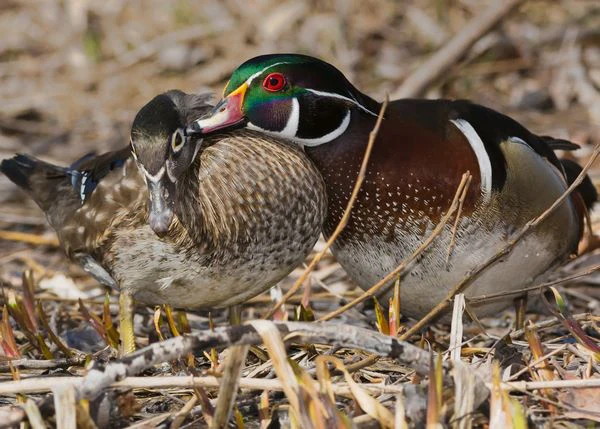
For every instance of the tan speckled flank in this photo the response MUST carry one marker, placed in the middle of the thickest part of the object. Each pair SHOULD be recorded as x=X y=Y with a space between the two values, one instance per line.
x=247 y=213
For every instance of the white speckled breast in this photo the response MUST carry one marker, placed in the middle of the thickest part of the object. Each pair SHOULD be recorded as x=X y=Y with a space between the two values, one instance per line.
x=531 y=186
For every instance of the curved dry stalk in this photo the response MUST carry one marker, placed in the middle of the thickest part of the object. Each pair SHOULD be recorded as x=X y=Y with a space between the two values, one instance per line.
x=586 y=272
x=345 y=217
x=377 y=287
x=554 y=321
x=474 y=273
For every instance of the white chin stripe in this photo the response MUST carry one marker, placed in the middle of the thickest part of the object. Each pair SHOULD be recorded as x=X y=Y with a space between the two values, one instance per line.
x=305 y=142
x=153 y=178
x=483 y=159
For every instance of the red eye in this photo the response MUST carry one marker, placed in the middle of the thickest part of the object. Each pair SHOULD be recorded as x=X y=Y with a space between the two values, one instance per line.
x=274 y=82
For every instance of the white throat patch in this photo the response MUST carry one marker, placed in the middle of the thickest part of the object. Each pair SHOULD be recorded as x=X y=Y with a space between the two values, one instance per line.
x=290 y=131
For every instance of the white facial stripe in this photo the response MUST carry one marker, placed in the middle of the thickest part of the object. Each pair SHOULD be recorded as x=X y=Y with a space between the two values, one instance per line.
x=334 y=95
x=291 y=128
x=483 y=159
x=258 y=73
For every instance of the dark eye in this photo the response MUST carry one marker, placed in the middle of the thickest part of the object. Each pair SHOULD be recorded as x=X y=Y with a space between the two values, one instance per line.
x=177 y=140
x=274 y=82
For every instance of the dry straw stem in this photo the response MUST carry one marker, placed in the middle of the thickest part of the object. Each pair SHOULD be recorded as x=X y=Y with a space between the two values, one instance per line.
x=345 y=217
x=377 y=287
x=45 y=384
x=529 y=226
x=541 y=359
x=34 y=415
x=229 y=385
x=25 y=237
x=274 y=344
x=181 y=415
x=551 y=384
x=64 y=404
x=369 y=404
x=442 y=60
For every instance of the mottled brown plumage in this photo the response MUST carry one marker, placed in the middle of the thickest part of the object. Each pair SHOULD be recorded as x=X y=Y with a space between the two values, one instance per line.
x=246 y=213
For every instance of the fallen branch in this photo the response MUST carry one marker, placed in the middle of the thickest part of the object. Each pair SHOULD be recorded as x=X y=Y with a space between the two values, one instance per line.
x=40 y=363
x=438 y=64
x=100 y=378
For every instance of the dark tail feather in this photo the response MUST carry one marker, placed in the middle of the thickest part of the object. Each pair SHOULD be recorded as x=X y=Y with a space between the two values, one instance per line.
x=42 y=180
x=560 y=144
x=586 y=188
x=18 y=169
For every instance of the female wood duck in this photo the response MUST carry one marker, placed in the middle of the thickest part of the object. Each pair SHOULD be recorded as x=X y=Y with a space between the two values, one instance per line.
x=422 y=150
x=245 y=214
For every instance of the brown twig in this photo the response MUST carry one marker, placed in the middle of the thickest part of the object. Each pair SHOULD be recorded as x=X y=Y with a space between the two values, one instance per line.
x=377 y=287
x=345 y=217
x=439 y=62
x=41 y=363
x=461 y=201
x=474 y=273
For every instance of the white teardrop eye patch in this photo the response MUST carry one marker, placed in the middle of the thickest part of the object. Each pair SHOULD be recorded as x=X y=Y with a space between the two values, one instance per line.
x=177 y=140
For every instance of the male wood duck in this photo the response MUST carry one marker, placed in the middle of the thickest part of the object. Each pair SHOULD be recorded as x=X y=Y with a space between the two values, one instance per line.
x=421 y=152
x=247 y=211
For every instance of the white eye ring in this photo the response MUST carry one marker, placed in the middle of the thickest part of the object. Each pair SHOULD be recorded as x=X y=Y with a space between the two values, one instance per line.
x=177 y=140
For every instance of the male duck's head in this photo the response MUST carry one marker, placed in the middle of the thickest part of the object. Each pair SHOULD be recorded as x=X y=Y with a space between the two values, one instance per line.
x=292 y=96
x=162 y=152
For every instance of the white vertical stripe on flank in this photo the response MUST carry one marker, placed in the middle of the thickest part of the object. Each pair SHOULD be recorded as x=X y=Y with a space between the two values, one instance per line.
x=483 y=159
